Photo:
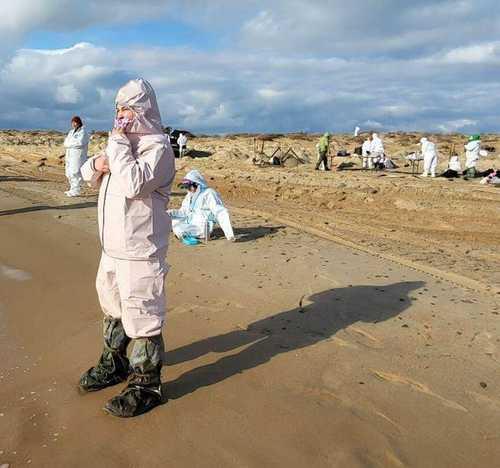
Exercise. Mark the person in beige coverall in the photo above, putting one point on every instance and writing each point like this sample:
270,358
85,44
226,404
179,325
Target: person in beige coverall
134,174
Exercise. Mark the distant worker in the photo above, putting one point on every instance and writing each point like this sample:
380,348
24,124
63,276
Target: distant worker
182,141
376,149
200,210
76,144
366,155
430,155
472,149
323,146
454,168
454,163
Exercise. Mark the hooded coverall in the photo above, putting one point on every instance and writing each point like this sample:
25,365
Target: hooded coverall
472,149
133,224
365,153
182,141
376,149
199,209
134,228
430,155
76,144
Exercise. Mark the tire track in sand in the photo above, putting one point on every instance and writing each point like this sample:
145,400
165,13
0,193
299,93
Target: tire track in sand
450,277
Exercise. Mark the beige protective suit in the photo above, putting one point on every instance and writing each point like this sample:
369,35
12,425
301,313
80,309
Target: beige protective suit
134,226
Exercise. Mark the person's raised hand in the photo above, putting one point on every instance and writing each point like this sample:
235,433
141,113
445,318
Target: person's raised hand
101,164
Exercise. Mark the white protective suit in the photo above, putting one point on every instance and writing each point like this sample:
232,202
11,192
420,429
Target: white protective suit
76,144
376,148
472,153
454,164
429,153
200,210
133,223
182,141
365,153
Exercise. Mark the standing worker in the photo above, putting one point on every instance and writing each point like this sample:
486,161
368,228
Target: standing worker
376,149
182,141
76,144
323,146
430,155
472,149
366,155
135,174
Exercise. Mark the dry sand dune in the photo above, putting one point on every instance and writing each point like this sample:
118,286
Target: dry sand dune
449,226
284,349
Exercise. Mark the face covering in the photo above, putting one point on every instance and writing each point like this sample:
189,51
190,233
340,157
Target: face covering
122,123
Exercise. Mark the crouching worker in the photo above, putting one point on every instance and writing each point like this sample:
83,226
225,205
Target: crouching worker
135,174
200,210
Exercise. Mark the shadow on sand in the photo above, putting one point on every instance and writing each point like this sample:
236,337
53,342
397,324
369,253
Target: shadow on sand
248,234
21,179
193,154
329,312
29,209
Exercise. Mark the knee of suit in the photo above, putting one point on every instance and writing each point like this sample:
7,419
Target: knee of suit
178,226
139,324
177,231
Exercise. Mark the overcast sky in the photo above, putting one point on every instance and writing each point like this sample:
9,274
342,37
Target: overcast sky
262,66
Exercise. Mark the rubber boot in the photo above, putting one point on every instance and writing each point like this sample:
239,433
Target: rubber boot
143,391
113,366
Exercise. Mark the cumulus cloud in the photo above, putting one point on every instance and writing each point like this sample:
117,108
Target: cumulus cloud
488,52
227,92
283,65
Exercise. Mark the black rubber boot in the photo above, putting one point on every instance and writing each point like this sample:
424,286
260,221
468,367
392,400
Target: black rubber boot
143,391
113,366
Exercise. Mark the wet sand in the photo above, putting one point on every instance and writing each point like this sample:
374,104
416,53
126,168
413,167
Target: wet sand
283,349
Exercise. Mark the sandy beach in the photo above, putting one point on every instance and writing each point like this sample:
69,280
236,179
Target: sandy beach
354,323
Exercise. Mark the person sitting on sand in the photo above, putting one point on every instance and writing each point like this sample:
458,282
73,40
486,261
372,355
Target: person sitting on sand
454,168
200,210
76,144
135,174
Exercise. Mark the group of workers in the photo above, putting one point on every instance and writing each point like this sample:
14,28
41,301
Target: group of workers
373,154
134,175
472,155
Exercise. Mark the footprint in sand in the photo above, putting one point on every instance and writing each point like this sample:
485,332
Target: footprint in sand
491,403
419,387
364,338
343,343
